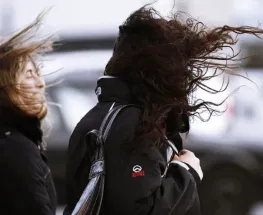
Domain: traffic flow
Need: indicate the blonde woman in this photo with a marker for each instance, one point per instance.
(26, 182)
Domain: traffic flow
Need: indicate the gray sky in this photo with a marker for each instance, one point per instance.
(79, 16)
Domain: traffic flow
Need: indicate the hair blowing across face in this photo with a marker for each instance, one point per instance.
(165, 61)
(15, 52)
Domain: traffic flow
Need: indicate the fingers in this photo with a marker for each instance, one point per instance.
(185, 151)
(182, 152)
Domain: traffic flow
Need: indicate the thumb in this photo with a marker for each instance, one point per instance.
(176, 157)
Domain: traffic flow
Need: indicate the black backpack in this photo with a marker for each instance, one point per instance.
(92, 196)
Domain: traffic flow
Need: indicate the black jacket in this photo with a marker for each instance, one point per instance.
(136, 183)
(26, 184)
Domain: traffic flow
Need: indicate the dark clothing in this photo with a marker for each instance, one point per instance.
(26, 182)
(136, 183)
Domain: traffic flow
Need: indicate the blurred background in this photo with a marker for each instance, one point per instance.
(229, 146)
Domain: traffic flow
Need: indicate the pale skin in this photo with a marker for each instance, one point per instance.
(189, 157)
(31, 92)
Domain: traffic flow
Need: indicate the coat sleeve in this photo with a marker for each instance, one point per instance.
(136, 184)
(23, 181)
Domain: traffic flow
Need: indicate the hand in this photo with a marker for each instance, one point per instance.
(189, 157)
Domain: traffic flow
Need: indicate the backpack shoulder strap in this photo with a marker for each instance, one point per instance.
(109, 119)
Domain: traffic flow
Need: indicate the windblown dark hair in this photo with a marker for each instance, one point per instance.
(164, 61)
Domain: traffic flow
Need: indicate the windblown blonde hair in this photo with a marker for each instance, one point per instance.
(15, 52)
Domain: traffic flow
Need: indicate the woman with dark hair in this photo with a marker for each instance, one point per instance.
(26, 182)
(157, 65)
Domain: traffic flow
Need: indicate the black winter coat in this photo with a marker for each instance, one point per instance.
(26, 184)
(136, 183)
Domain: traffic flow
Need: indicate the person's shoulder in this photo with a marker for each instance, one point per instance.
(20, 159)
(127, 119)
(9, 139)
(125, 122)
(131, 113)
(15, 146)
(93, 118)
